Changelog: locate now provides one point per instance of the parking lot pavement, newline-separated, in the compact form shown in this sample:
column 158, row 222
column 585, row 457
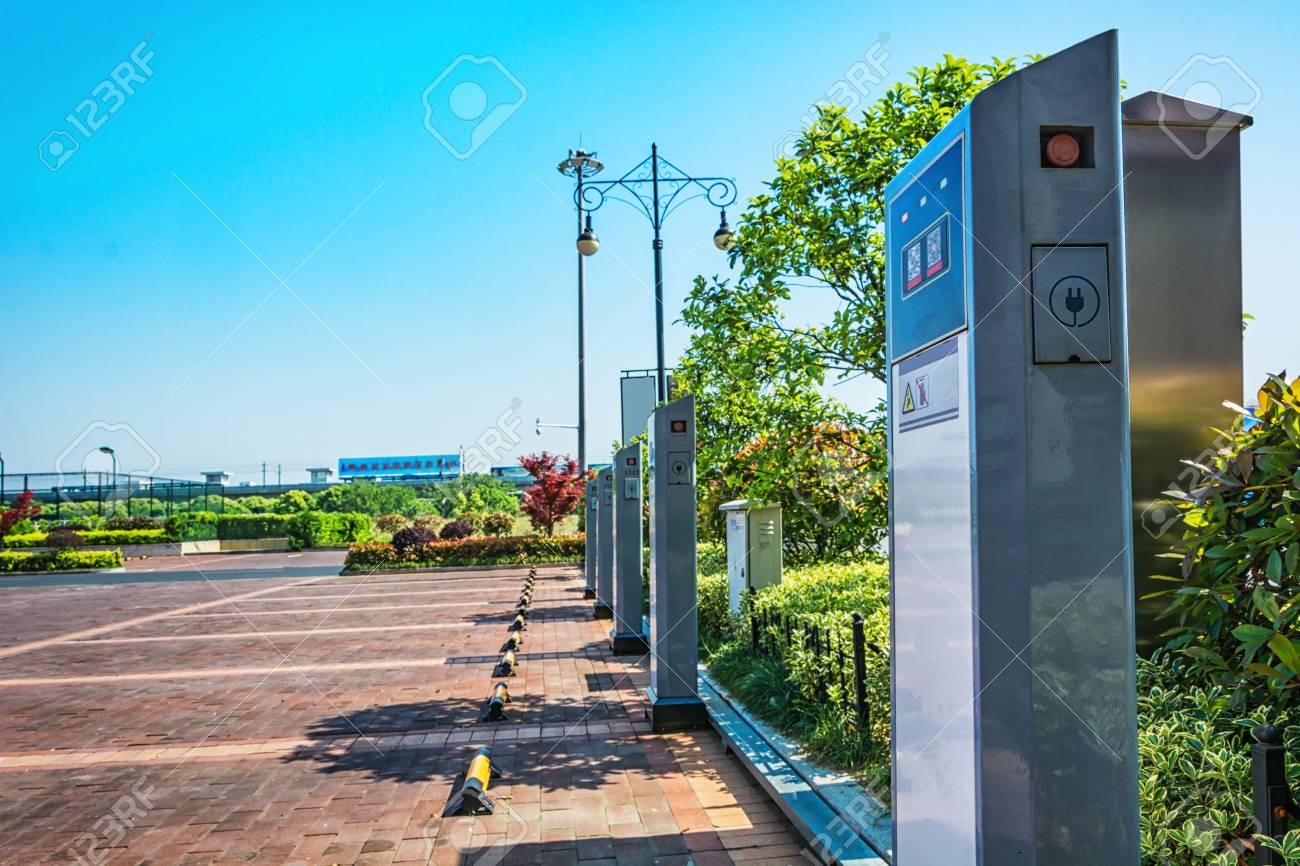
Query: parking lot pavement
column 296, row 718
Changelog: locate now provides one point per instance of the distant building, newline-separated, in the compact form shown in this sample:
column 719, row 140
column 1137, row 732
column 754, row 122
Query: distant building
column 320, row 474
column 217, row 477
column 421, row 466
column 516, row 475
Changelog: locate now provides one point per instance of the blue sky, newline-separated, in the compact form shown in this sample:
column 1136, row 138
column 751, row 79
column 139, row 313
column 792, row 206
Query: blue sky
column 424, row 294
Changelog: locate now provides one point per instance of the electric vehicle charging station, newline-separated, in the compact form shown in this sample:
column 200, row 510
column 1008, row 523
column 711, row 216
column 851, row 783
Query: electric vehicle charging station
column 589, row 562
column 1013, row 694
column 603, row 609
column 627, row 636
column 675, row 703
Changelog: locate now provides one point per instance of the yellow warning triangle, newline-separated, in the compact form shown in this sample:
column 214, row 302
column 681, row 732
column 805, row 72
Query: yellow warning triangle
column 909, row 405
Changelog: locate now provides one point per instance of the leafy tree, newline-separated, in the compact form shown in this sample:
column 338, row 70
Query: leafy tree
column 23, row 509
column 293, row 501
column 367, row 497
column 820, row 225
column 472, row 492
column 258, row 504
column 556, row 493
column 767, row 430
column 1237, row 600
column 767, row 433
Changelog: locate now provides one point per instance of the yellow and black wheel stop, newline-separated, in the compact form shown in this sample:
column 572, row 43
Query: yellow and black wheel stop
column 495, row 711
column 472, row 798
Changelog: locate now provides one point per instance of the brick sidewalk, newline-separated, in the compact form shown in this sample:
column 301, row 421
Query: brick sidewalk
column 326, row 720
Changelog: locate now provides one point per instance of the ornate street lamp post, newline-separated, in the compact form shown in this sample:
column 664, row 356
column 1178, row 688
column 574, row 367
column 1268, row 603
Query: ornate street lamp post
column 581, row 165
column 656, row 188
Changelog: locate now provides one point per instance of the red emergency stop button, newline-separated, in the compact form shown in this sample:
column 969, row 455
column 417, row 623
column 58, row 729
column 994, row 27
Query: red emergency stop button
column 1062, row 150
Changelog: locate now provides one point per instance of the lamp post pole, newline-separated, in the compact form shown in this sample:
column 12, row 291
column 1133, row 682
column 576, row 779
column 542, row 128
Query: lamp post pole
column 669, row 188
column 581, row 165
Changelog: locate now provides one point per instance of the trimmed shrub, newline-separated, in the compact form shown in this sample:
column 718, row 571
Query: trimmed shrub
column 59, row 560
column 510, row 549
column 391, row 523
column 25, row 539
column 498, row 523
column 91, row 536
column 412, row 538
column 318, row 529
column 192, row 526
column 247, row 526
column 64, row 539
column 456, row 530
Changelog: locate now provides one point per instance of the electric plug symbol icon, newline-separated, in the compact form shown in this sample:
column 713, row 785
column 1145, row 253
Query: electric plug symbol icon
column 1074, row 301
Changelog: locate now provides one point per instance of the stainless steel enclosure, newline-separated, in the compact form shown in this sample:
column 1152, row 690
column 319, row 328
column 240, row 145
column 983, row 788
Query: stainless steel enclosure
column 1014, row 713
column 627, row 635
column 1182, row 225
column 674, row 622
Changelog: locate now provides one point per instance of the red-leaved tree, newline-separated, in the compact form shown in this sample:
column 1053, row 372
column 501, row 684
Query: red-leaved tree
column 557, row 491
column 23, row 509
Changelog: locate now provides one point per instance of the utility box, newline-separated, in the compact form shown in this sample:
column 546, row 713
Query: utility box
column 1012, row 649
column 753, row 548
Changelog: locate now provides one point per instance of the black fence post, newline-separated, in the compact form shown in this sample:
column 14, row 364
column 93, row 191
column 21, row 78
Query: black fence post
column 1270, row 793
column 753, row 630
column 860, row 674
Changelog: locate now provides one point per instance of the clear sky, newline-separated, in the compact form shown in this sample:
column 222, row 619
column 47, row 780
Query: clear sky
column 423, row 293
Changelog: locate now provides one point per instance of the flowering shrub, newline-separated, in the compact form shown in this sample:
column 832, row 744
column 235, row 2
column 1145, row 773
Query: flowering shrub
column 489, row 550
column 456, row 530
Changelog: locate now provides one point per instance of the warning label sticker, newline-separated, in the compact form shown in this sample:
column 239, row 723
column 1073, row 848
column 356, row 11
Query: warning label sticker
column 927, row 388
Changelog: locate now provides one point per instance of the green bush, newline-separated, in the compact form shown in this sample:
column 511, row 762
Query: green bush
column 391, row 523
column 318, row 529
column 293, row 502
column 473, row 518
column 1235, row 603
column 475, row 550
column 59, row 560
column 127, row 521
column 498, row 523
column 257, row 504
column 94, row 537
column 247, row 526
column 816, row 701
column 192, row 526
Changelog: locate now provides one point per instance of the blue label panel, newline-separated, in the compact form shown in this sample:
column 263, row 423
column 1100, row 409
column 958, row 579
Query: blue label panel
column 925, row 239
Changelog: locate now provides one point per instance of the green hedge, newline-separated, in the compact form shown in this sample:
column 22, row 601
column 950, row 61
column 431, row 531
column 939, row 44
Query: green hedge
column 59, row 560
column 192, row 526
column 475, row 550
column 319, row 529
column 95, row 537
column 249, row 526
column 304, row 529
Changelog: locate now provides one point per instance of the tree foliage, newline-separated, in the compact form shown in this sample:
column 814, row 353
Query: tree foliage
column 1236, row 602
column 23, row 509
column 767, row 429
column 819, row 227
column 557, row 491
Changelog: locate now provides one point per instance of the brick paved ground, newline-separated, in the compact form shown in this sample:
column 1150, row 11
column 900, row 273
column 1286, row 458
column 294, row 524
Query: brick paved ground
column 325, row 720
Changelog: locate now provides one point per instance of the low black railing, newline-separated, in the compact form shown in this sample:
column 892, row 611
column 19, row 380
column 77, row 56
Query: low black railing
column 829, row 658
column 1270, row 793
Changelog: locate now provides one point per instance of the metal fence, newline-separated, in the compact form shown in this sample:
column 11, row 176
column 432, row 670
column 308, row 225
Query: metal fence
column 72, row 494
column 830, row 659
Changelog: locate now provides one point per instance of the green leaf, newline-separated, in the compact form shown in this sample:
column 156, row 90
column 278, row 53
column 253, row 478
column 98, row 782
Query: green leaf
column 1274, row 568
column 1286, row 651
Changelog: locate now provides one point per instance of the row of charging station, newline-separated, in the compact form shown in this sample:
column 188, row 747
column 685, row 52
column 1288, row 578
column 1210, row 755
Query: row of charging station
column 614, row 562
column 1013, row 496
